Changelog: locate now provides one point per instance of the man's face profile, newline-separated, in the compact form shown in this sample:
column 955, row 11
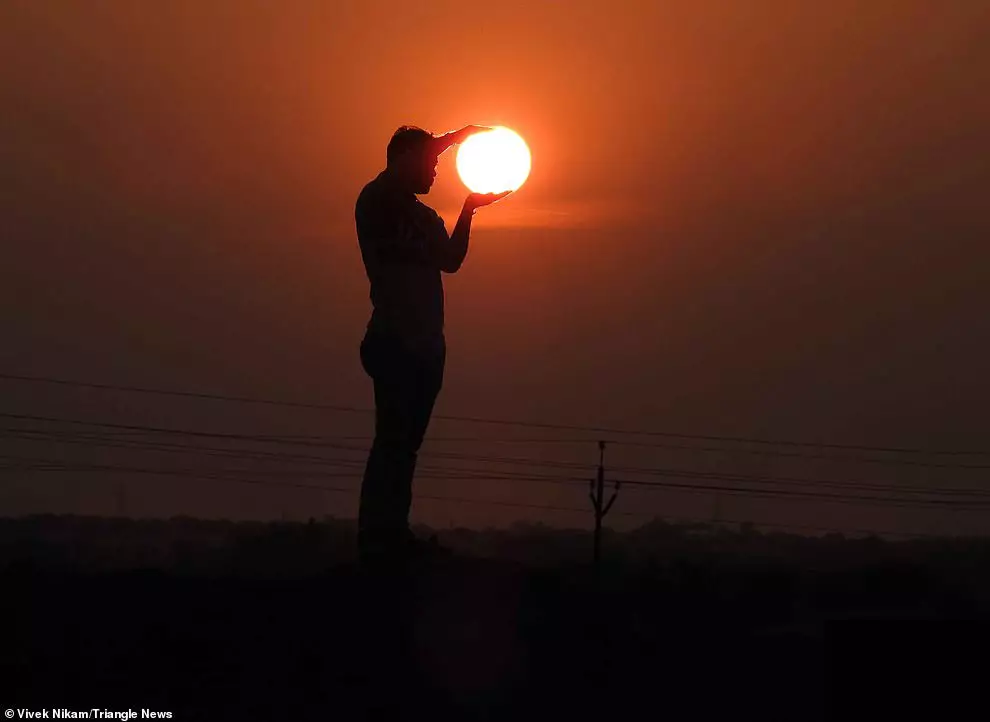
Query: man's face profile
column 412, row 157
column 421, row 169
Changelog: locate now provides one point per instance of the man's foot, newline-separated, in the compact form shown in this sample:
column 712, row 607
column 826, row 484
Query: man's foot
column 426, row 549
column 410, row 550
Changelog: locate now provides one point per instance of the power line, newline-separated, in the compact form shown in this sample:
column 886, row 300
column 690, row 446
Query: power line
column 248, row 437
column 434, row 475
column 681, row 473
column 808, row 527
column 99, row 439
column 503, row 422
column 318, row 440
column 290, row 485
column 187, row 394
column 681, row 447
column 807, row 455
column 95, row 440
column 431, row 439
column 796, row 481
column 166, row 430
column 969, row 505
column 545, row 507
column 108, row 468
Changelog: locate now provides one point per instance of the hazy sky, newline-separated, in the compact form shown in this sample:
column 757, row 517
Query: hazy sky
column 752, row 219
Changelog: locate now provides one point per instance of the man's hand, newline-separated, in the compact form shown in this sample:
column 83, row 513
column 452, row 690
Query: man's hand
column 454, row 137
column 462, row 231
column 442, row 142
column 459, row 136
column 479, row 200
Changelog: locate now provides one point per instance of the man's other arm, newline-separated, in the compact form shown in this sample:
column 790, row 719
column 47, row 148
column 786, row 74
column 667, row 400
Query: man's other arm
column 456, row 250
column 450, row 252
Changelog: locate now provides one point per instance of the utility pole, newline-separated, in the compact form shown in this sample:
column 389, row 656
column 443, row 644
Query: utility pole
column 597, row 495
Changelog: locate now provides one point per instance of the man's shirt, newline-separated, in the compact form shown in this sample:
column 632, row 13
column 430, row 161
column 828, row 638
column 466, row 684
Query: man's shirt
column 405, row 246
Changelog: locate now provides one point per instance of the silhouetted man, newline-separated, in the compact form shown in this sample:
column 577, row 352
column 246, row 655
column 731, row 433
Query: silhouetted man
column 405, row 247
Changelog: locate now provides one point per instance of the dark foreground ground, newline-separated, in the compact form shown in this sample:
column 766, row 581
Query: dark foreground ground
column 486, row 640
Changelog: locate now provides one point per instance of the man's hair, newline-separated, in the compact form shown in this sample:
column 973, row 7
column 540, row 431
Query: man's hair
column 405, row 138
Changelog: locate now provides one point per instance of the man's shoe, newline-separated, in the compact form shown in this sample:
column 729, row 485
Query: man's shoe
column 395, row 555
column 426, row 549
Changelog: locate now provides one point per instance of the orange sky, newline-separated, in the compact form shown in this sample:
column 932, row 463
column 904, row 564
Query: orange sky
column 749, row 220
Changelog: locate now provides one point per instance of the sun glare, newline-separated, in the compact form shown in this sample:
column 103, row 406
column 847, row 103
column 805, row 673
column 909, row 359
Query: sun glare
column 494, row 161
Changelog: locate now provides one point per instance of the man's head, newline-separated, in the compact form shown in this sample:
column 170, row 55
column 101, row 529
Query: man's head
column 412, row 157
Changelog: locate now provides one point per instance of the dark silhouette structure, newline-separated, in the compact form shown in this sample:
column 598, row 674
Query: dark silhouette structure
column 405, row 248
column 598, row 503
column 224, row 620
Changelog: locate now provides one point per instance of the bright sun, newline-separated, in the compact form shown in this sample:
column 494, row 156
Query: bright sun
column 494, row 161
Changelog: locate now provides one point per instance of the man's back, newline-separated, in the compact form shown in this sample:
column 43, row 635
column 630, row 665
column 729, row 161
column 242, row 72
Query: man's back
column 398, row 236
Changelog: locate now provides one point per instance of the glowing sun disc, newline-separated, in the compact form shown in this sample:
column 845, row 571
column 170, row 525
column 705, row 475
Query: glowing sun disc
column 494, row 161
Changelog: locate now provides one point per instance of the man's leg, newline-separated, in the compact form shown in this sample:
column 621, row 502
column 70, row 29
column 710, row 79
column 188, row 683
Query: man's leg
column 428, row 379
column 378, row 522
column 384, row 649
column 405, row 392
column 406, row 388
column 428, row 382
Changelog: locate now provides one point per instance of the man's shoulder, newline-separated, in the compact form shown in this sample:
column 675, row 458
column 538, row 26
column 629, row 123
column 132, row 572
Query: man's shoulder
column 372, row 192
